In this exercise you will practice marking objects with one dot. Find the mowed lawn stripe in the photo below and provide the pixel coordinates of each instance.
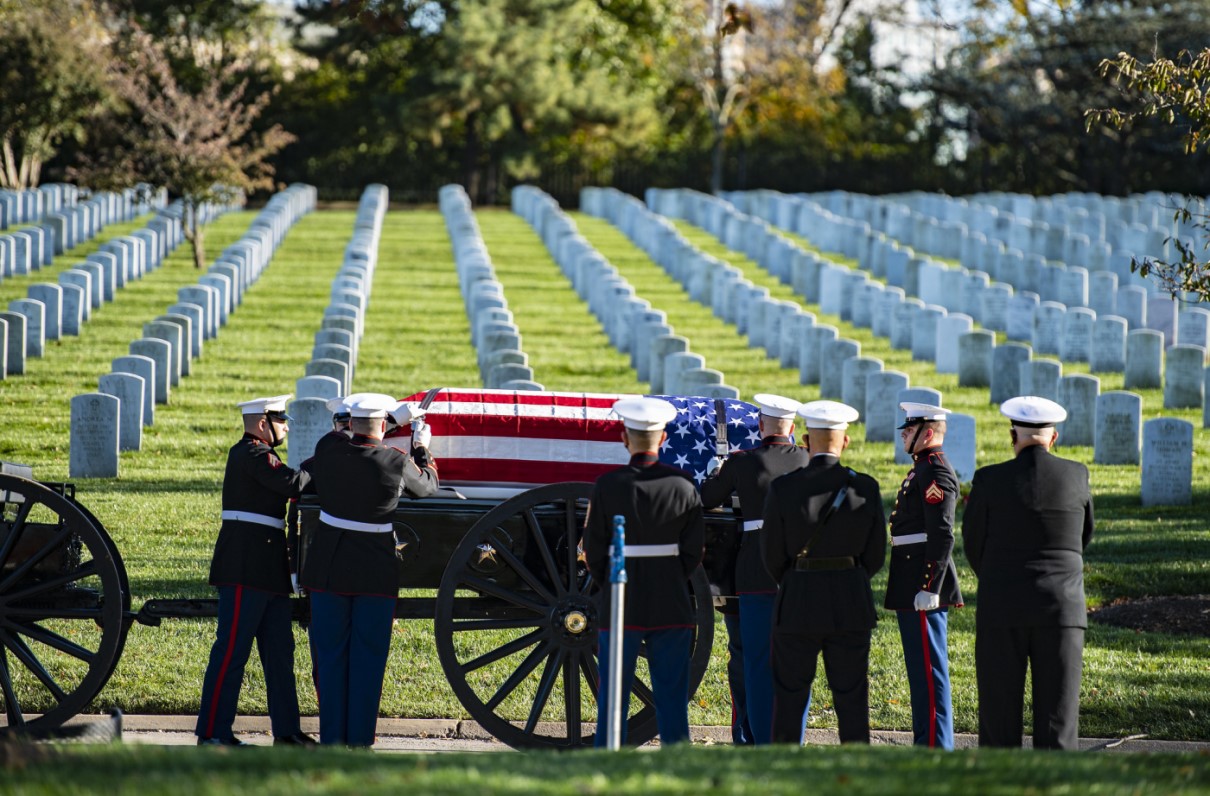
(566, 344)
(416, 333)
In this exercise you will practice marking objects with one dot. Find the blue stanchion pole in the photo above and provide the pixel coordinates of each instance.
(617, 613)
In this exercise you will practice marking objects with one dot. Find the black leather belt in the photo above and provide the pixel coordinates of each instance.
(817, 564)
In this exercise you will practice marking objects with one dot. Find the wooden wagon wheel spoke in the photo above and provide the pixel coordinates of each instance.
(52, 544)
(11, 706)
(53, 640)
(524, 572)
(593, 675)
(15, 531)
(20, 611)
(550, 675)
(496, 590)
(573, 544)
(24, 654)
(516, 678)
(87, 570)
(644, 694)
(571, 694)
(548, 559)
(463, 625)
(504, 650)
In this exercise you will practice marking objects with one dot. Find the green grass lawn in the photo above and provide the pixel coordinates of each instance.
(877, 771)
(163, 510)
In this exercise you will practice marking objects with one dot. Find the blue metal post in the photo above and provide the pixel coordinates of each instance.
(617, 612)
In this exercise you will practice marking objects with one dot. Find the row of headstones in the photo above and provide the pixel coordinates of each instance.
(32, 205)
(51, 311)
(329, 373)
(658, 355)
(28, 205)
(503, 363)
(931, 332)
(977, 232)
(112, 419)
(962, 289)
(32, 248)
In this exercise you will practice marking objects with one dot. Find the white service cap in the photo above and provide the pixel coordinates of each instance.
(370, 404)
(776, 405)
(919, 413)
(260, 406)
(644, 414)
(828, 415)
(341, 404)
(1031, 411)
(405, 412)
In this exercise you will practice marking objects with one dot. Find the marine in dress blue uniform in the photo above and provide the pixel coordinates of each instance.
(251, 571)
(349, 565)
(665, 534)
(922, 584)
(824, 537)
(1025, 529)
(748, 474)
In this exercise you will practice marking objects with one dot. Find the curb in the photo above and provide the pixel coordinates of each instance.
(465, 729)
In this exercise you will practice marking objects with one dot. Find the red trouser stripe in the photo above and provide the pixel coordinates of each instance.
(928, 673)
(222, 670)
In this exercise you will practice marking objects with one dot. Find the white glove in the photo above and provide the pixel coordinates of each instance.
(716, 596)
(294, 584)
(421, 434)
(713, 467)
(927, 601)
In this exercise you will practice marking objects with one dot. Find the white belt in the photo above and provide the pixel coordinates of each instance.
(650, 550)
(354, 525)
(259, 519)
(753, 525)
(909, 538)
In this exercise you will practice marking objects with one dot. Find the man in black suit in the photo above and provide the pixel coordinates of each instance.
(824, 536)
(748, 474)
(250, 570)
(665, 534)
(1025, 529)
(349, 566)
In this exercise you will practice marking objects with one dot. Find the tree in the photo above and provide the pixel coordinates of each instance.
(1176, 93)
(49, 82)
(200, 146)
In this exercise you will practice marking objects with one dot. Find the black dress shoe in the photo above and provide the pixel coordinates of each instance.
(232, 741)
(297, 739)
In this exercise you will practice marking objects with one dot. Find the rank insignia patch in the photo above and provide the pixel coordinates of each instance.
(933, 494)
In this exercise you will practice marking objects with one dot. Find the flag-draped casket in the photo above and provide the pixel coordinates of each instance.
(506, 438)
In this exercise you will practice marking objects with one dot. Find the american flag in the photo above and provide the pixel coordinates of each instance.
(506, 438)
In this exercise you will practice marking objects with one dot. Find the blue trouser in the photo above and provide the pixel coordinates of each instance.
(246, 615)
(741, 728)
(926, 653)
(351, 635)
(668, 663)
(756, 630)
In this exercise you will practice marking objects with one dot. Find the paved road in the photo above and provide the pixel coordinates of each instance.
(453, 735)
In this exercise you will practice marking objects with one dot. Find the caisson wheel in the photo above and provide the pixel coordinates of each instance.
(516, 625)
(64, 602)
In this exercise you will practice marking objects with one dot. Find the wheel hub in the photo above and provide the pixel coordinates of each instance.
(574, 621)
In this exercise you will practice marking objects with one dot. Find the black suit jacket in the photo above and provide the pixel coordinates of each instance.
(1025, 529)
(249, 553)
(748, 474)
(820, 602)
(359, 479)
(661, 506)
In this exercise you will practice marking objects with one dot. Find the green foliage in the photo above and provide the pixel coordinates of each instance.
(1175, 94)
(49, 82)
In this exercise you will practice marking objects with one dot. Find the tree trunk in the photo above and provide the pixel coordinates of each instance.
(470, 158)
(194, 234)
(716, 164)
